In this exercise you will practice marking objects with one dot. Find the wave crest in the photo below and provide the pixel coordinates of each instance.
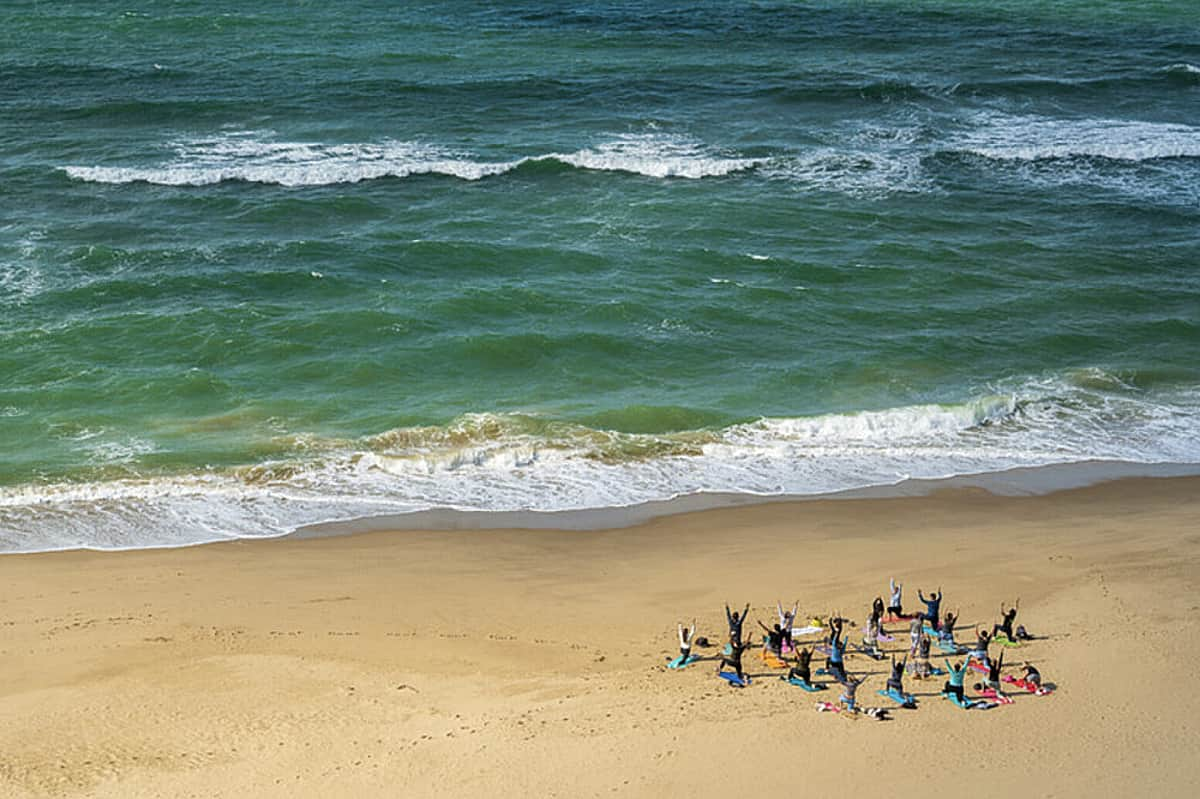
(250, 158)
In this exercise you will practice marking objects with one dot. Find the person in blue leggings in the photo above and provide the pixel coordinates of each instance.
(837, 658)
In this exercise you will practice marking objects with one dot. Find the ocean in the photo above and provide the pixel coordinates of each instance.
(269, 265)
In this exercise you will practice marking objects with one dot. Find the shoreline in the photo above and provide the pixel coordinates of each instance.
(523, 661)
(1017, 481)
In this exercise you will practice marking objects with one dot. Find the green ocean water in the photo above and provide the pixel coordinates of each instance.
(266, 266)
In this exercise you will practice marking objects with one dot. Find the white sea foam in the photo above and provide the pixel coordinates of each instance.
(499, 463)
(1035, 138)
(255, 159)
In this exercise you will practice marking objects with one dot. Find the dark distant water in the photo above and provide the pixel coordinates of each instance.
(270, 263)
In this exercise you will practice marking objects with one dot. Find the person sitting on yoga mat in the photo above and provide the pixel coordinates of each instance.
(923, 667)
(686, 636)
(871, 633)
(980, 652)
(850, 689)
(836, 664)
(993, 677)
(1032, 675)
(932, 603)
(947, 631)
(787, 620)
(1006, 626)
(802, 670)
(896, 681)
(915, 631)
(735, 624)
(734, 658)
(894, 608)
(954, 685)
(774, 640)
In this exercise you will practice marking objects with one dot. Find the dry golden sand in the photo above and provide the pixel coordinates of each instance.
(506, 663)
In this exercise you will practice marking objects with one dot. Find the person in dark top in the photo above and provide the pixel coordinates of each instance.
(896, 681)
(734, 658)
(836, 664)
(1032, 675)
(735, 624)
(774, 643)
(835, 627)
(980, 652)
(802, 670)
(1006, 626)
(947, 631)
(877, 608)
(932, 604)
(993, 678)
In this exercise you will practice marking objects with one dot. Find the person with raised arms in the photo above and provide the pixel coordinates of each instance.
(787, 620)
(895, 608)
(932, 603)
(736, 620)
(1006, 625)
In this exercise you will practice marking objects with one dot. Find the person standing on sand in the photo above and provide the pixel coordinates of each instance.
(787, 620)
(736, 621)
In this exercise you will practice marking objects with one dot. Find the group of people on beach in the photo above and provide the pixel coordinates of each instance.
(926, 629)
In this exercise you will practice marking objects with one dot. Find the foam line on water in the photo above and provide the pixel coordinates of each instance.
(504, 462)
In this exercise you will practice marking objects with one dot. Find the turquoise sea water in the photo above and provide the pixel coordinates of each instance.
(269, 264)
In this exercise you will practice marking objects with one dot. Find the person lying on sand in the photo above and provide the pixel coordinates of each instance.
(735, 624)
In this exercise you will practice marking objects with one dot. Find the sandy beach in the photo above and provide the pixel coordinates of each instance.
(511, 662)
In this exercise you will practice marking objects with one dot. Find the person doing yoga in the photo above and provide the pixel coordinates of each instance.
(836, 664)
(773, 643)
(734, 658)
(993, 676)
(686, 636)
(947, 631)
(787, 620)
(897, 588)
(1006, 625)
(850, 689)
(954, 685)
(736, 621)
(1032, 675)
(802, 670)
(932, 603)
(896, 681)
(980, 652)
